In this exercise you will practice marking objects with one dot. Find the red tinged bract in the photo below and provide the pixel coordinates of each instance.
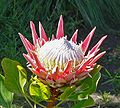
(59, 62)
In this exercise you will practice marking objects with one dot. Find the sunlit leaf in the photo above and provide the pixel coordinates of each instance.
(22, 76)
(39, 91)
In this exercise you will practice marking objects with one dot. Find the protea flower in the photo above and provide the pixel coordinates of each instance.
(58, 61)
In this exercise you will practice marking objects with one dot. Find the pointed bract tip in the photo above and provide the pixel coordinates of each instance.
(34, 33)
(21, 36)
(87, 40)
(24, 54)
(105, 36)
(29, 59)
(60, 28)
(103, 52)
(40, 26)
(76, 31)
(31, 24)
(53, 37)
(96, 58)
(40, 23)
(96, 47)
(19, 33)
(94, 27)
(61, 19)
(42, 32)
(61, 16)
(93, 30)
(74, 37)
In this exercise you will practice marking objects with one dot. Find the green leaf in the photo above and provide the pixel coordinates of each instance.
(22, 76)
(39, 91)
(15, 75)
(68, 91)
(93, 85)
(88, 85)
(6, 97)
(87, 102)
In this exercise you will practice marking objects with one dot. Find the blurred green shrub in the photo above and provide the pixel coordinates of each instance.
(104, 14)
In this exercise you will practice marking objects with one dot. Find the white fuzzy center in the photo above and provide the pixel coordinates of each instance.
(58, 53)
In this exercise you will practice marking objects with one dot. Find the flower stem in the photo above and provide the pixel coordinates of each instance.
(53, 98)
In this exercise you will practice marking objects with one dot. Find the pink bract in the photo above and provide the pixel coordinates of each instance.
(58, 62)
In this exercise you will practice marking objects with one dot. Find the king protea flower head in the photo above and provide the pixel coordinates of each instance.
(58, 61)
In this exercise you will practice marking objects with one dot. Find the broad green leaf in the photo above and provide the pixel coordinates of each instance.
(86, 102)
(88, 85)
(93, 87)
(68, 91)
(39, 91)
(92, 82)
(15, 75)
(6, 97)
